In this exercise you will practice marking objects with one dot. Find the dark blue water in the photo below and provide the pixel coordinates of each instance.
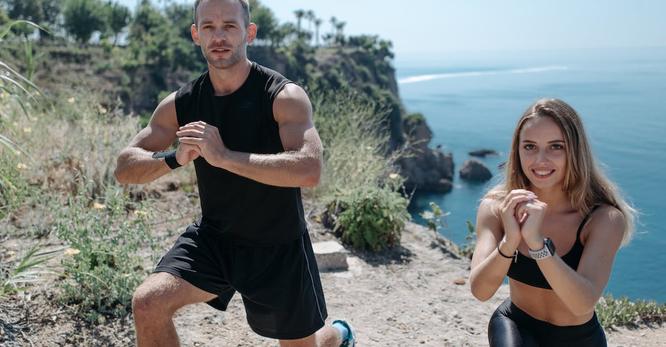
(474, 101)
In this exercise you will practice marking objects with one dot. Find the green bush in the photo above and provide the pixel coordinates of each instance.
(370, 218)
(624, 312)
(102, 267)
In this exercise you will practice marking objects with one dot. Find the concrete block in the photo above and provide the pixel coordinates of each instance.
(330, 255)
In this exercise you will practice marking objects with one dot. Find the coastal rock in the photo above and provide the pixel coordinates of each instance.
(482, 153)
(474, 170)
(426, 169)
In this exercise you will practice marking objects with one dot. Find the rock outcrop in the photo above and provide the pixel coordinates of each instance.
(482, 153)
(426, 169)
(474, 170)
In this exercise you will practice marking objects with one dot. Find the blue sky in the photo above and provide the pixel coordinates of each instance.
(438, 27)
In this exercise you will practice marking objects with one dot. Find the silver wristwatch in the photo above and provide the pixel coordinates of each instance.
(548, 250)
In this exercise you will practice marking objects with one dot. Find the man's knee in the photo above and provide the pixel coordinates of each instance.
(151, 300)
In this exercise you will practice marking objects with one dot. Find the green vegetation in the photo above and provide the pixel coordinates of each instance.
(15, 92)
(467, 250)
(56, 163)
(83, 17)
(624, 312)
(435, 218)
(103, 264)
(29, 269)
(360, 186)
(371, 218)
(70, 182)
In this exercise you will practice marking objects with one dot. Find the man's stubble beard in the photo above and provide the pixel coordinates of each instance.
(234, 59)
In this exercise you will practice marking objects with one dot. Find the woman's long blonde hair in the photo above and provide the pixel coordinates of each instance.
(584, 182)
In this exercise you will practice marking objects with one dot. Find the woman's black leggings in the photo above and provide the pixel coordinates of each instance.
(510, 326)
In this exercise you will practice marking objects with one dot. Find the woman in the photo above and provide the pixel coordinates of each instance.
(553, 226)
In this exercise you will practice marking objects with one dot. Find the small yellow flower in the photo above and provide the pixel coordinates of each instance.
(394, 176)
(71, 251)
(141, 213)
(27, 130)
(98, 206)
(71, 100)
(21, 166)
(102, 110)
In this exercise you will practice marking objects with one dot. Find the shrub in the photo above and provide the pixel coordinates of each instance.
(102, 267)
(624, 312)
(370, 218)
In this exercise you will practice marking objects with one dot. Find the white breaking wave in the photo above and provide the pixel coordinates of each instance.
(423, 78)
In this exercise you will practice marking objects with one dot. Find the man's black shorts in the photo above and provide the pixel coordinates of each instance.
(279, 284)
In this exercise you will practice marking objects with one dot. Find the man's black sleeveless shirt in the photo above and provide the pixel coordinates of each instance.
(232, 204)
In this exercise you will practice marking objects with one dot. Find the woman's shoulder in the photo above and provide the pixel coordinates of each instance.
(489, 206)
(608, 214)
(606, 219)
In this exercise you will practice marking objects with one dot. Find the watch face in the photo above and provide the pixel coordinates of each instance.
(550, 245)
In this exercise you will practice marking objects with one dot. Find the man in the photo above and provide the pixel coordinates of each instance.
(250, 134)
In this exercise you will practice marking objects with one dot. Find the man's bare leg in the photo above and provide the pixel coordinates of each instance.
(154, 303)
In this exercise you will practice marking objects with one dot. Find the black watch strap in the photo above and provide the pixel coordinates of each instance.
(169, 158)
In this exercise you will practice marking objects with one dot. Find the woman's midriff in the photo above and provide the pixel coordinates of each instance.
(544, 305)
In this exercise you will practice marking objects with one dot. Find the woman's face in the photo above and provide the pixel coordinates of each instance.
(542, 153)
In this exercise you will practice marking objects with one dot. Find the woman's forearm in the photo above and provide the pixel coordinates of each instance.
(487, 277)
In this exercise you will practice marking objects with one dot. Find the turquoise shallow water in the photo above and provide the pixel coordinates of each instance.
(473, 101)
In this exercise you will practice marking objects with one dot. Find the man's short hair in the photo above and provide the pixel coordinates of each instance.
(244, 3)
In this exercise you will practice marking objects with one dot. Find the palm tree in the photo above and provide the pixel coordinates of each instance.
(339, 36)
(317, 23)
(299, 15)
(310, 16)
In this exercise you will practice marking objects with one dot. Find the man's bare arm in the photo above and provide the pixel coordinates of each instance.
(298, 166)
(135, 162)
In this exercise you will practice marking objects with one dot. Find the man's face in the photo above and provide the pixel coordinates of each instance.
(221, 32)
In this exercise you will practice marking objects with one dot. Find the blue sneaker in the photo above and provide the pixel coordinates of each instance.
(350, 341)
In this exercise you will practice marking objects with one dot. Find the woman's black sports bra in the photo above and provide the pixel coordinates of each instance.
(525, 269)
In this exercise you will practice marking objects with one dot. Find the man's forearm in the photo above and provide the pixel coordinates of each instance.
(137, 166)
(287, 169)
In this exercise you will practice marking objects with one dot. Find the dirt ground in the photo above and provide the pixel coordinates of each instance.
(414, 295)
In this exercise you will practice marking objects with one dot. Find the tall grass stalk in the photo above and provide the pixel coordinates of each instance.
(355, 135)
(29, 269)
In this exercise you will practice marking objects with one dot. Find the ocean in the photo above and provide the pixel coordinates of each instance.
(473, 100)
